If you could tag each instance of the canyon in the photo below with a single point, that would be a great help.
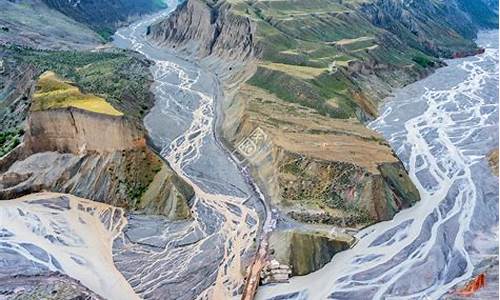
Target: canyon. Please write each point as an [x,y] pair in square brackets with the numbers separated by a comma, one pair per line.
[213,136]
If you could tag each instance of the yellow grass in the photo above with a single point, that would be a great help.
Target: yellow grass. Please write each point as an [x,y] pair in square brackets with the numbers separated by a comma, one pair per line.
[344,42]
[297,71]
[53,92]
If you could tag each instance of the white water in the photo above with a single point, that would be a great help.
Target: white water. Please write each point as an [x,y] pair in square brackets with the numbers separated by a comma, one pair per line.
[442,134]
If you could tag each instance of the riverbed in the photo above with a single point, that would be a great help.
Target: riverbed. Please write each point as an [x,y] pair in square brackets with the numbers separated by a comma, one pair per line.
[442,128]
[203,257]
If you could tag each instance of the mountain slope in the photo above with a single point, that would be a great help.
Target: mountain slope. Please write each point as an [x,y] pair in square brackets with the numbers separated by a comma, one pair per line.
[104,16]
[32,23]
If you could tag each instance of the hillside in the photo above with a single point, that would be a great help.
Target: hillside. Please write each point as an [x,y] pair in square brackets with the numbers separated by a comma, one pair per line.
[78,143]
[56,102]
[32,23]
[104,17]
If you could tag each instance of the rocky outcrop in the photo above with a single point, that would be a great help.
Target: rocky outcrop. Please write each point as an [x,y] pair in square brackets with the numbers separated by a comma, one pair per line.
[304,252]
[76,130]
[327,171]
[95,156]
[207,28]
[50,286]
[297,118]
[419,23]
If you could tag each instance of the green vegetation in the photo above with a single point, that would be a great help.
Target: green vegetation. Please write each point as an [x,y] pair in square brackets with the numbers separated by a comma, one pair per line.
[312,51]
[106,33]
[52,92]
[423,61]
[314,93]
[9,140]
[123,79]
[104,17]
[306,53]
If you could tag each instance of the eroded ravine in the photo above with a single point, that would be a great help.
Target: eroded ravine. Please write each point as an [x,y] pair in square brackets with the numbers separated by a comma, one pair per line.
[205,254]
[442,129]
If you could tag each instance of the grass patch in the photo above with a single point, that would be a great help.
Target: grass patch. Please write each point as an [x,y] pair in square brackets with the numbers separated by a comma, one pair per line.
[53,92]
[423,61]
[122,78]
[297,71]
[9,140]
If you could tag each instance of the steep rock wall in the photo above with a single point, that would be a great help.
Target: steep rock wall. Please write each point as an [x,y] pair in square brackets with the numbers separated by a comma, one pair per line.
[104,16]
[304,252]
[95,156]
[204,29]
[75,130]
[425,25]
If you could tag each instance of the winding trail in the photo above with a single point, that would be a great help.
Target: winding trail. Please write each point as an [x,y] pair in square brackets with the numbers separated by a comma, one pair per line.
[441,128]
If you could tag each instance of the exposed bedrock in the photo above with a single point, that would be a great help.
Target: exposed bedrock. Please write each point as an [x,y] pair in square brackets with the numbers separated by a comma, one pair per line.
[94,156]
[205,29]
[331,178]
[304,252]
[104,17]
[50,286]
[76,130]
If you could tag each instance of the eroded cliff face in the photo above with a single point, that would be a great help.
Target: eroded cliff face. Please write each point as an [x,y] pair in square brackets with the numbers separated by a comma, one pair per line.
[206,28]
[326,171]
[76,130]
[421,24]
[99,157]
[304,252]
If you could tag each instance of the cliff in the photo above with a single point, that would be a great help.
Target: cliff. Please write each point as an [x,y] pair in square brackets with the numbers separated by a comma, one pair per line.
[333,184]
[92,155]
[308,76]
[121,77]
[207,30]
[304,252]
[421,24]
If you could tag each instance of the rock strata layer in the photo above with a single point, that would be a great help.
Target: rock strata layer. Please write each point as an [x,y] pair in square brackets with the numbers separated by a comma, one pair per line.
[94,156]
